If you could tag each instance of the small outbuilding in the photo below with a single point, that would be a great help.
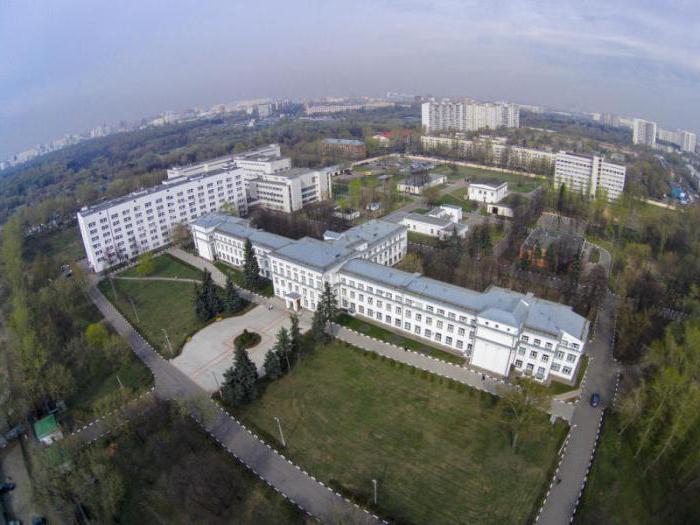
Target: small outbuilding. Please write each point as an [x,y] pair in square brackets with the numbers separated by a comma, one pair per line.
[47,430]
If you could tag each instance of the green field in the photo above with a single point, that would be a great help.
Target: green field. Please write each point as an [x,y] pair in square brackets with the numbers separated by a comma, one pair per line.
[378,332]
[175,474]
[456,198]
[436,448]
[517,183]
[167,266]
[265,288]
[160,305]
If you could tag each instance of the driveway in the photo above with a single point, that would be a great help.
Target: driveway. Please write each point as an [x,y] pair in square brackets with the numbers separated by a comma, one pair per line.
[206,357]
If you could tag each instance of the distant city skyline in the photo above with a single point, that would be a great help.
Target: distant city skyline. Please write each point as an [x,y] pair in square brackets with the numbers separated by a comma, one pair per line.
[72,66]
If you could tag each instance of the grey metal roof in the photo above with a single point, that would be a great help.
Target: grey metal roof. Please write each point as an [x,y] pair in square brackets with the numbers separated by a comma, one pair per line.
[263,238]
[372,231]
[347,142]
[497,304]
[312,252]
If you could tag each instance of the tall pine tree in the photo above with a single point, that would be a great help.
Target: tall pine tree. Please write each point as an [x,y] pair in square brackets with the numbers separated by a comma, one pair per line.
[328,307]
[240,381]
[251,269]
[273,364]
[232,300]
[283,347]
[295,336]
[318,327]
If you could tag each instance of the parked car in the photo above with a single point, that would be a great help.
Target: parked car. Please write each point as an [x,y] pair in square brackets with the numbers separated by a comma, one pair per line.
[595,399]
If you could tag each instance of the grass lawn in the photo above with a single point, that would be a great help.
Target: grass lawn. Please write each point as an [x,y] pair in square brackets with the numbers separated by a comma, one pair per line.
[420,238]
[517,183]
[167,266]
[175,474]
[455,199]
[420,210]
[373,330]
[617,492]
[265,288]
[435,447]
[555,388]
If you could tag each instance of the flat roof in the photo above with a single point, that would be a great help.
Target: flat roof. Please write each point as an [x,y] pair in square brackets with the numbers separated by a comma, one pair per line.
[498,304]
[319,255]
[427,219]
[347,142]
[491,182]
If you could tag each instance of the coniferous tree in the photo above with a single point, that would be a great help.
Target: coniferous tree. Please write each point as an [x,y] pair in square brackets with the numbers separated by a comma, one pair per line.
[295,336]
[200,308]
[273,364]
[329,307]
[251,269]
[240,381]
[283,347]
[232,300]
[318,327]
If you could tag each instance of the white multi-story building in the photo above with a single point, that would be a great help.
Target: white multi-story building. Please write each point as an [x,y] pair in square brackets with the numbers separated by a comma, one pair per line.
[121,229]
[685,140]
[298,268]
[144,219]
[468,116]
[588,175]
[441,222]
[489,191]
[643,132]
[497,331]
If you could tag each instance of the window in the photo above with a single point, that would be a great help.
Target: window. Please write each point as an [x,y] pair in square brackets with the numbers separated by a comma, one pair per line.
[525,338]
[429,321]
[559,354]
[533,354]
[439,324]
[397,322]
[521,350]
[430,308]
[450,328]
[460,344]
[438,337]
[556,367]
[518,363]
[416,329]
[566,370]
[460,331]
[548,346]
[538,342]
[448,341]
[407,326]
[427,333]
[370,313]
[388,319]
[575,346]
[545,358]
[571,358]
[418,317]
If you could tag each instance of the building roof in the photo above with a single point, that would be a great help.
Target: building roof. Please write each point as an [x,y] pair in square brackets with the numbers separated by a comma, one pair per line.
[428,219]
[319,255]
[345,142]
[497,304]
[372,231]
[489,182]
[46,427]
[212,220]
[261,237]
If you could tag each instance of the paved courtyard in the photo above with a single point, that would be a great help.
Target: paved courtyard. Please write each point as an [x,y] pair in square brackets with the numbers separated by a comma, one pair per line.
[205,358]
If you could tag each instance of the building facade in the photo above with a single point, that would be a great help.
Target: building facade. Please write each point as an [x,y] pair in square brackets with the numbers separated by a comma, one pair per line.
[415,184]
[120,229]
[498,331]
[643,132]
[488,191]
[588,175]
[468,116]
[352,149]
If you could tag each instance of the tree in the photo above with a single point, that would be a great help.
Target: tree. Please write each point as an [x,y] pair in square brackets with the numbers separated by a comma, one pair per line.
[355,193]
[295,336]
[240,381]
[273,364]
[412,263]
[283,348]
[431,195]
[329,304]
[520,407]
[180,234]
[146,264]
[318,327]
[207,301]
[96,335]
[251,269]
[232,300]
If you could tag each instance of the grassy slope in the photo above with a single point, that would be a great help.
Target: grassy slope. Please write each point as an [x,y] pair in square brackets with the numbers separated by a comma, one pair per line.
[435,448]
[236,275]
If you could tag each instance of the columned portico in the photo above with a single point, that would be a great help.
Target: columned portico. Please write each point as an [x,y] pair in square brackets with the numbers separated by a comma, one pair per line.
[293,301]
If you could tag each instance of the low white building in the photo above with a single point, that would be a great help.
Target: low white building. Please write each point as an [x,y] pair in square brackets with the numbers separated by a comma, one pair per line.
[290,190]
[498,331]
[441,222]
[489,191]
[416,184]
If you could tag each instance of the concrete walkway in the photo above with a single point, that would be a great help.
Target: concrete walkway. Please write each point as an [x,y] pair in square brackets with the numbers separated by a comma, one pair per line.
[175,279]
[289,480]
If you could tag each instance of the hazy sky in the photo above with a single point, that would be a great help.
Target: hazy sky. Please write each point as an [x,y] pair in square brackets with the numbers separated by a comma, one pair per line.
[66,66]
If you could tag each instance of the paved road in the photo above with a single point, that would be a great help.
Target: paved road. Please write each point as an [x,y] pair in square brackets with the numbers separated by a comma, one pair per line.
[170,383]
[562,500]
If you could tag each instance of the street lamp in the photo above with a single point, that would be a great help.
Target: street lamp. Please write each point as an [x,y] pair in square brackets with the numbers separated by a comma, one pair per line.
[374,484]
[279,427]
[216,380]
[167,340]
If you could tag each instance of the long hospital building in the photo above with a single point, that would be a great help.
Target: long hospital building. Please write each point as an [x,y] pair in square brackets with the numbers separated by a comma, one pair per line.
[498,331]
[120,229]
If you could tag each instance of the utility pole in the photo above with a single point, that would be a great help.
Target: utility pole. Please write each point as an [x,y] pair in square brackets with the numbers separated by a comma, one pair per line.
[134,307]
[279,427]
[114,291]
[374,484]
[216,380]
[167,340]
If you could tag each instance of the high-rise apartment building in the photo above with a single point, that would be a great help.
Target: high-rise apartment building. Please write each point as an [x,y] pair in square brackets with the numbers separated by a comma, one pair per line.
[644,132]
[687,140]
[588,175]
[468,116]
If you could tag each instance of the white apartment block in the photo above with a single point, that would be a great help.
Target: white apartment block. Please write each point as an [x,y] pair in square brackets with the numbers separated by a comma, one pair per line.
[298,268]
[499,151]
[468,116]
[498,331]
[488,191]
[685,140]
[121,229]
[643,132]
[588,175]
